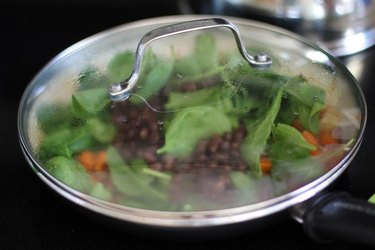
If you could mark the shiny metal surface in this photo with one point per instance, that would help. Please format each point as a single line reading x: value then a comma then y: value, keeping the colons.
x: 189, y: 219
x: 342, y: 26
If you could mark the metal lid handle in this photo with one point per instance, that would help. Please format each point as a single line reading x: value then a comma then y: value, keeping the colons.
x: 121, y: 91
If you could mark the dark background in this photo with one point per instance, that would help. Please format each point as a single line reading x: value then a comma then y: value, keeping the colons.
x: 34, y: 217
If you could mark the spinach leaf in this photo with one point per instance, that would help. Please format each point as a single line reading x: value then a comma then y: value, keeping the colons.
x: 101, y: 192
x: 218, y: 97
x: 304, y: 92
x: 240, y: 180
x: 155, y: 79
x: 69, y: 172
x: 90, y: 102
x: 54, y: 116
x: 302, y: 99
x: 54, y: 144
x: 65, y: 142
x: 203, y: 63
x: 292, y: 174
x: 101, y: 131
x: 191, y: 125
x: 372, y: 199
x: 289, y: 174
x: 309, y: 116
x: 90, y: 78
x: 289, y: 134
x: 120, y: 66
x: 187, y: 66
x: 178, y: 100
x: 289, y: 144
x: 257, y: 135
x: 154, y: 72
x: 206, y: 53
x: 308, y: 100
x: 129, y: 181
x: 80, y: 139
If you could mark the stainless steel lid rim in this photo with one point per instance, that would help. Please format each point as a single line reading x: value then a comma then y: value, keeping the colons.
x: 186, y: 219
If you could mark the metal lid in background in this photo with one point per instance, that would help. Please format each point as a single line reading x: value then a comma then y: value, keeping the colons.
x: 343, y: 27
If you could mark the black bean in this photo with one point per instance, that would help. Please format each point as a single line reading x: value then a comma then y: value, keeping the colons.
x: 149, y: 156
x: 225, y: 146
x: 140, y: 134
x: 143, y: 133
x: 214, y: 143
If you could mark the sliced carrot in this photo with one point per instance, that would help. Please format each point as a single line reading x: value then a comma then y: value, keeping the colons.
x: 100, y: 163
x: 87, y: 158
x: 326, y: 138
x: 310, y: 138
x: 265, y: 164
x: 93, y: 161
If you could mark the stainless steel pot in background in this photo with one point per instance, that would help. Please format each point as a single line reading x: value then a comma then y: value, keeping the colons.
x: 344, y: 27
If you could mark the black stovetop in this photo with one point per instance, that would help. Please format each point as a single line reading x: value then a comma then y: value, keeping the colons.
x: 33, y: 217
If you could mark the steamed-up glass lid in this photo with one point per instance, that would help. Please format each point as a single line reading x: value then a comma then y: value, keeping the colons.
x: 197, y: 125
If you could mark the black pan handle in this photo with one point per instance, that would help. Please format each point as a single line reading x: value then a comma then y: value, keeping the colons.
x: 338, y: 216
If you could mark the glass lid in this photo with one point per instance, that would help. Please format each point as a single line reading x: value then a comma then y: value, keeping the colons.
x: 201, y: 128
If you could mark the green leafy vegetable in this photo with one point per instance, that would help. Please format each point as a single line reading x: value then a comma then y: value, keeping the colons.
x: 287, y: 133
x: 80, y: 140
x: 289, y: 144
x: 258, y: 134
x: 101, y: 192
x: 206, y: 53
x: 120, y: 66
x: 90, y: 102
x: 186, y: 67
x: 191, y: 125
x: 55, y: 144
x: 372, y: 199
x: 202, y: 63
x: 302, y: 99
x: 69, y: 172
x: 215, y: 96
x: 178, y: 100
x: 240, y: 180
x: 90, y: 78
x: 156, y: 78
x: 288, y: 174
x: 69, y: 140
x: 101, y: 131
x: 308, y: 101
x: 47, y: 119
x: 129, y: 181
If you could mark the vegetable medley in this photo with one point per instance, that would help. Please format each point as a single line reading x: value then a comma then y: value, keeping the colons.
x: 203, y: 131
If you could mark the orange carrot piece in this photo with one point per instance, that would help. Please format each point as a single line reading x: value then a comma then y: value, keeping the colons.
x: 265, y: 164
x: 326, y: 138
x: 86, y: 158
x: 310, y: 138
x: 93, y: 161
x: 100, y: 161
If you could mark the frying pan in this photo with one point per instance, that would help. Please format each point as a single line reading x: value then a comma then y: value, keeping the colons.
x: 325, y: 216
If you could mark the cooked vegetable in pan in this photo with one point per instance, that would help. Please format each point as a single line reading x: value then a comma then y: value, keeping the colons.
x: 203, y: 131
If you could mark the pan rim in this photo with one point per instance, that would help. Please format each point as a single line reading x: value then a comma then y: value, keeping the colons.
x: 199, y: 218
